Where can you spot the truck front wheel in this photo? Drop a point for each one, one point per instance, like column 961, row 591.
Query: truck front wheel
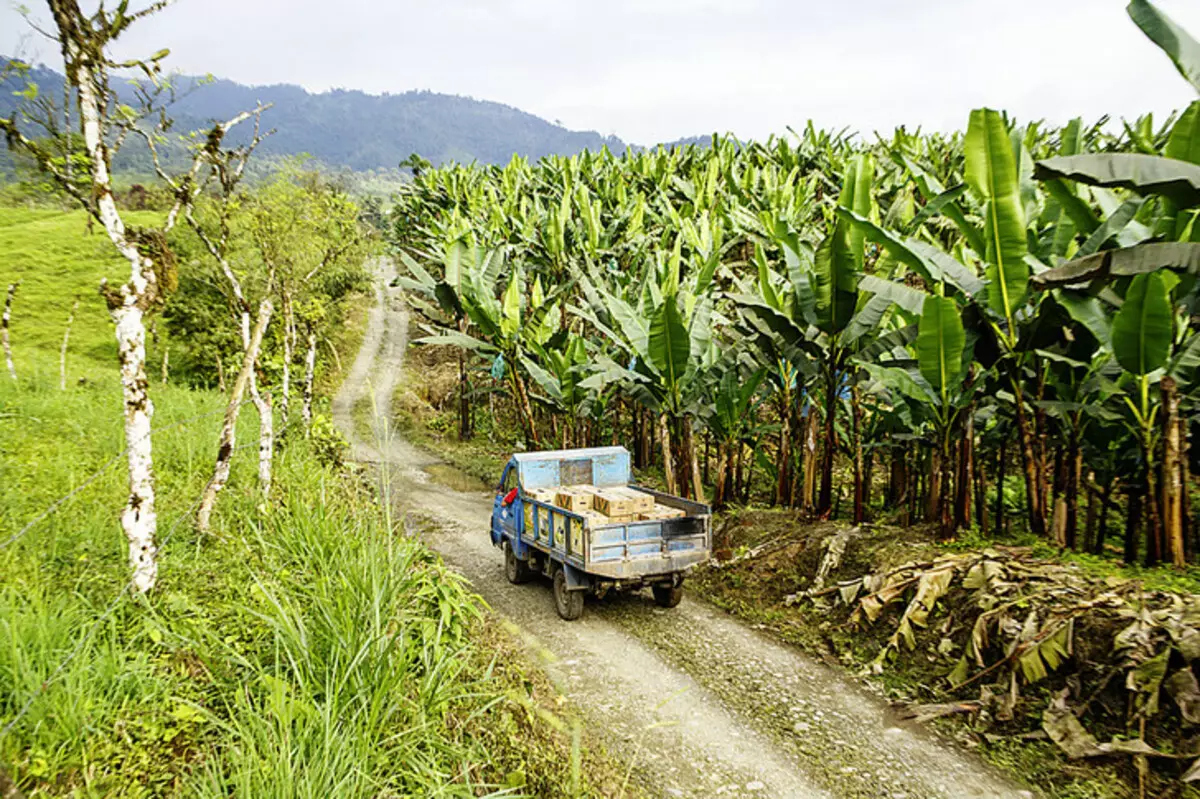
column 516, row 570
column 667, row 596
column 569, row 604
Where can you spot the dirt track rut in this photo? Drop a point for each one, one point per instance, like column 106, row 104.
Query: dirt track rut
column 697, row 702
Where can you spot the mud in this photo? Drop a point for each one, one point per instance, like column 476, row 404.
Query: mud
column 693, row 701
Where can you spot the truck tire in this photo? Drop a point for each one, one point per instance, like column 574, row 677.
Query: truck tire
column 667, row 596
column 516, row 570
column 569, row 604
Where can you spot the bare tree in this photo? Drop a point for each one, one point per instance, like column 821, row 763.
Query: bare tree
column 227, row 167
column 85, row 41
column 8, row 301
column 228, row 428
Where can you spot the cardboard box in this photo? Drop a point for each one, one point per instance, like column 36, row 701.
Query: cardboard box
column 662, row 512
column 594, row 518
column 623, row 501
column 574, row 498
column 546, row 495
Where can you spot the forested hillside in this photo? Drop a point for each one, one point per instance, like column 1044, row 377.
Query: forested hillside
column 358, row 130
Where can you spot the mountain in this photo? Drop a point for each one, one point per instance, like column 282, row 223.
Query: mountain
column 363, row 131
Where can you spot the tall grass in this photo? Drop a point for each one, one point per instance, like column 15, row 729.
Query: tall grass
column 307, row 650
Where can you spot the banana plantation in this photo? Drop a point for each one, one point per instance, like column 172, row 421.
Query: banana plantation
column 991, row 329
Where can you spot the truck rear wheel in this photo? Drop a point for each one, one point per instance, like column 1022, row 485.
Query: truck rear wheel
column 667, row 596
column 569, row 604
column 516, row 570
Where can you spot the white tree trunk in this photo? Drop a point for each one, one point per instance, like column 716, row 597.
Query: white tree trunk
column 266, row 424
column 310, row 365
column 266, row 441
column 220, row 374
column 138, row 519
column 228, row 438
column 289, row 340
column 12, row 370
column 62, row 355
column 165, row 370
column 128, row 307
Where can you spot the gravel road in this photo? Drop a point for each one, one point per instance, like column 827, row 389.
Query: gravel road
column 699, row 704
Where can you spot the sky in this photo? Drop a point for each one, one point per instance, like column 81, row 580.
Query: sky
column 658, row 70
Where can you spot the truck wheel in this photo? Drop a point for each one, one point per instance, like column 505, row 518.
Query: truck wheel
column 516, row 570
column 569, row 604
column 667, row 596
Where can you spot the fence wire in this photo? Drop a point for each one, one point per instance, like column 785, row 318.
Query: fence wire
column 112, row 606
column 94, row 476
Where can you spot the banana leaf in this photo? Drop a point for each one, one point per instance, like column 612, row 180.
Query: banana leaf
column 1124, row 262
column 1180, row 47
column 991, row 172
column 940, row 342
column 1147, row 175
column 1141, row 331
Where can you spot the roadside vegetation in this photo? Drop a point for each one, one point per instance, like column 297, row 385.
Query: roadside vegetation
column 984, row 340
column 172, row 348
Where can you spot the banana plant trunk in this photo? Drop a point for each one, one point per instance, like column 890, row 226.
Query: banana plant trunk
column 965, row 476
column 721, row 474
column 693, row 464
column 1001, row 474
column 981, row 516
column 856, row 419
column 825, row 501
column 1172, row 483
column 1072, row 484
column 1033, row 479
column 525, row 410
column 664, row 437
column 784, row 482
column 810, row 465
column 1154, row 530
column 1133, row 521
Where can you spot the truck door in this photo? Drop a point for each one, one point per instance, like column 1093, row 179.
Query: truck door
column 506, row 516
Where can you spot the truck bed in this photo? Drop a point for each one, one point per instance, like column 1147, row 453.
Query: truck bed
column 621, row 550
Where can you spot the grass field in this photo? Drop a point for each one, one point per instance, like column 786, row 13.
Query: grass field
column 306, row 649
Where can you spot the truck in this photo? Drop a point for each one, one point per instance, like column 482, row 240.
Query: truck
column 545, row 519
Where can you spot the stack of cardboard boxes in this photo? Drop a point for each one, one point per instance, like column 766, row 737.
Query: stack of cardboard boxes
column 609, row 505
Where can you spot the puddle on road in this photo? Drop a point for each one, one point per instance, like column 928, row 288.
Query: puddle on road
column 457, row 479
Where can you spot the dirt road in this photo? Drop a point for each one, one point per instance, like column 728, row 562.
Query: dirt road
column 700, row 704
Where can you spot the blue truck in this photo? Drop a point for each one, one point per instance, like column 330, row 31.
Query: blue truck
column 586, row 552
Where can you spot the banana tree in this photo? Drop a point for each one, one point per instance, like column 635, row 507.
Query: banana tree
column 505, row 327
column 560, row 375
column 936, row 392
column 666, row 332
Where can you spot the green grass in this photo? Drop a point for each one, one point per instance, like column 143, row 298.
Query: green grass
column 308, row 648
column 57, row 259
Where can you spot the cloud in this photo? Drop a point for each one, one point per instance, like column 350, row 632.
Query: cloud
column 653, row 70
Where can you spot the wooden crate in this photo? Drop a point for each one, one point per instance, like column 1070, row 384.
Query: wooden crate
column 546, row 495
column 662, row 512
column 575, row 498
column 622, row 501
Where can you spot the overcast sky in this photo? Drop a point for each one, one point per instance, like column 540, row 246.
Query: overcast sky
column 656, row 70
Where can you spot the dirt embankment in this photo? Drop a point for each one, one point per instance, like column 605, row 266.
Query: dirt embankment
column 1080, row 680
